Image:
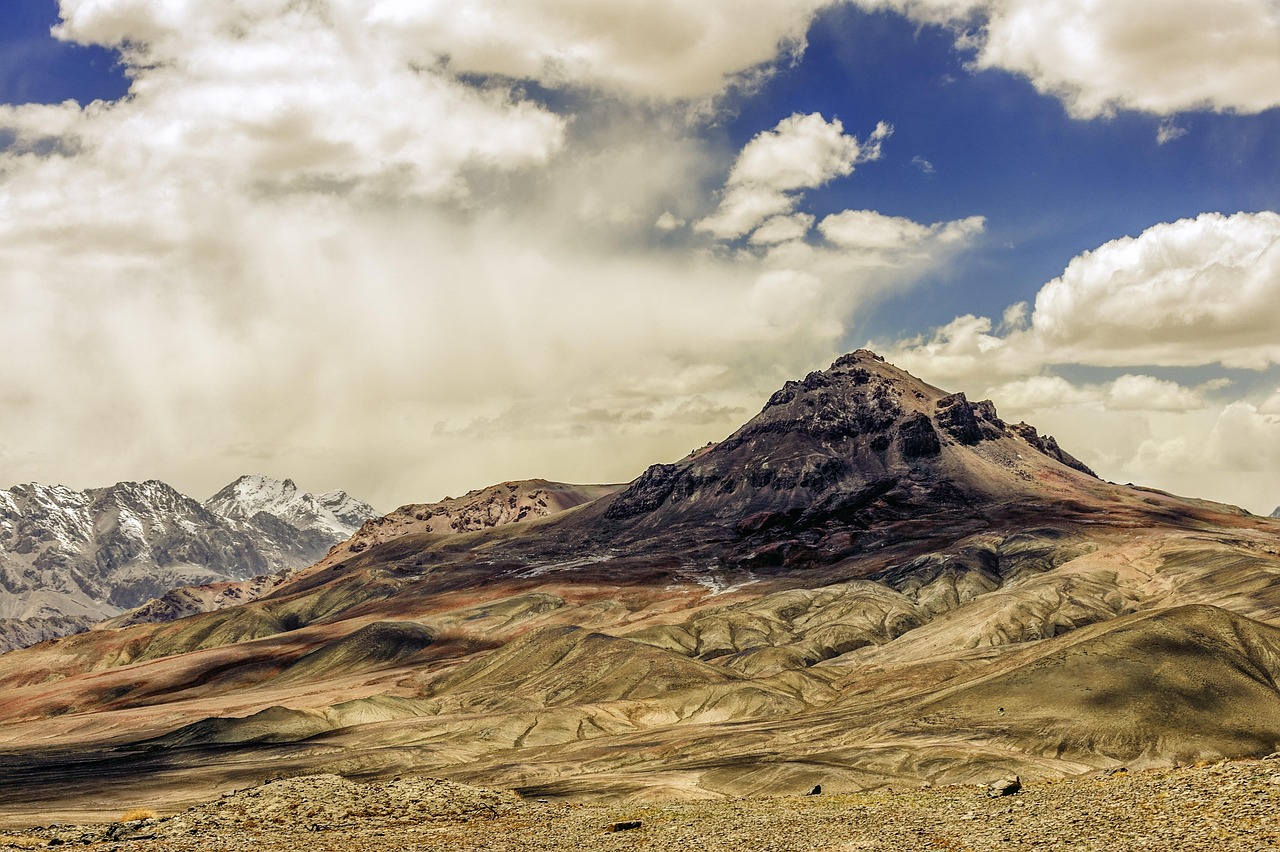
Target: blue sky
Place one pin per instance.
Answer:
(1050, 186)
(403, 250)
(37, 68)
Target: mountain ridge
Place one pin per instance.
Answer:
(479, 509)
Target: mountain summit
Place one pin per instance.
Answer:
(861, 432)
(335, 513)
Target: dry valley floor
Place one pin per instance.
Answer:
(1232, 805)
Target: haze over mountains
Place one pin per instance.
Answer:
(871, 582)
(71, 558)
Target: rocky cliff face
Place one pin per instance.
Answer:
(70, 558)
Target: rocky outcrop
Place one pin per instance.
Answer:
(1047, 445)
(956, 417)
(1006, 786)
(917, 437)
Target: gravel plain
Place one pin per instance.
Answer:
(1222, 807)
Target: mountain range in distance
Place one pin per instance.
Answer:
(71, 558)
(483, 508)
(872, 582)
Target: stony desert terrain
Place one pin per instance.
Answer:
(1231, 805)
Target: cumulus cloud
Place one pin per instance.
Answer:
(1128, 392)
(1036, 393)
(872, 231)
(274, 98)
(1271, 405)
(1155, 56)
(654, 49)
(1197, 293)
(1245, 439)
(1147, 393)
(801, 152)
(1231, 453)
(1194, 291)
(669, 222)
(1191, 292)
(659, 50)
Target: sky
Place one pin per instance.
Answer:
(412, 248)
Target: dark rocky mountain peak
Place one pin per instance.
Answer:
(860, 432)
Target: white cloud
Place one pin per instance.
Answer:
(871, 230)
(1192, 292)
(668, 222)
(868, 230)
(962, 351)
(1245, 440)
(1156, 56)
(277, 101)
(1168, 131)
(1147, 393)
(664, 49)
(1036, 393)
(1125, 393)
(1015, 317)
(1271, 405)
(801, 152)
(782, 229)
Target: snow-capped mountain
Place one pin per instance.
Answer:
(70, 558)
(333, 511)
